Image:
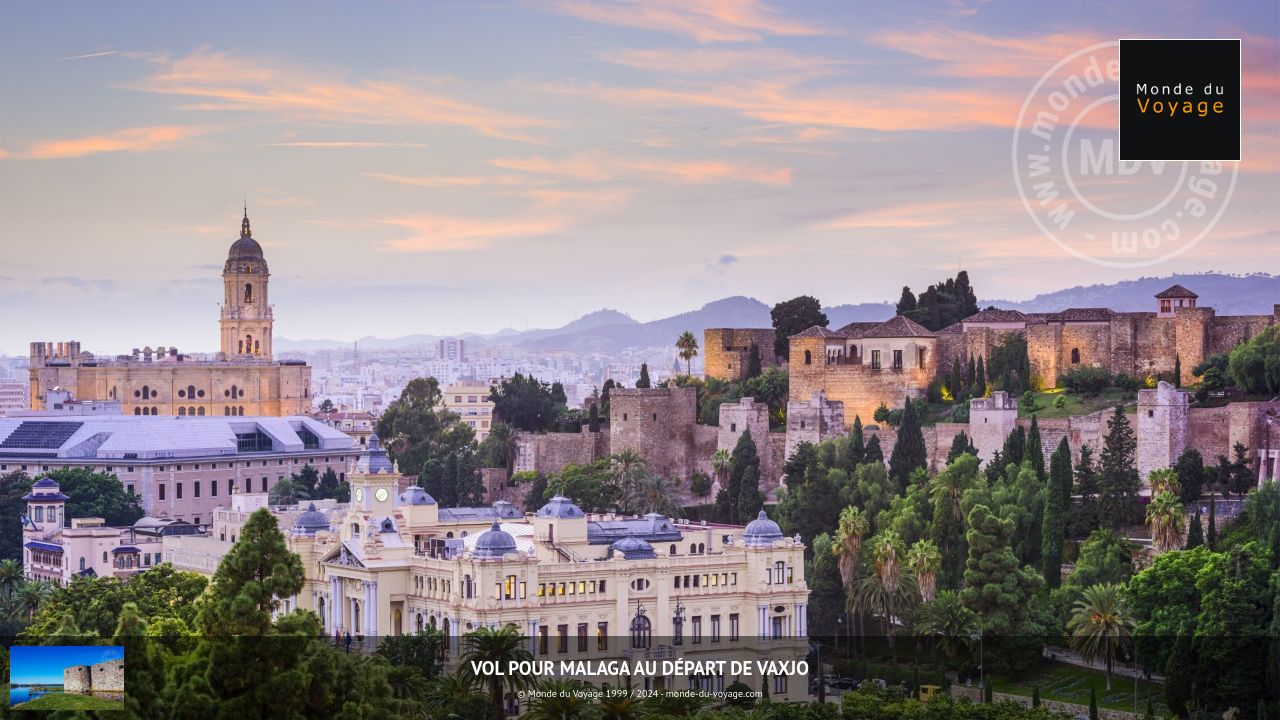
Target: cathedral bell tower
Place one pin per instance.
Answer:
(246, 310)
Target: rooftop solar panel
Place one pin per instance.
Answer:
(41, 435)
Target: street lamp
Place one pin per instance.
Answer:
(678, 624)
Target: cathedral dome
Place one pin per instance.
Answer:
(246, 249)
(761, 532)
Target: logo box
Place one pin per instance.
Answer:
(1180, 100)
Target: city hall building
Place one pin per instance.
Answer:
(578, 586)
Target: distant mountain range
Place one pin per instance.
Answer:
(611, 331)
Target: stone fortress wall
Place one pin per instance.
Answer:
(725, 351)
(103, 677)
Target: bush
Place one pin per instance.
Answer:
(700, 485)
(1088, 380)
(1060, 402)
(1128, 382)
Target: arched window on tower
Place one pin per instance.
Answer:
(248, 343)
(256, 348)
(182, 411)
(248, 292)
(808, 358)
(199, 411)
(1075, 356)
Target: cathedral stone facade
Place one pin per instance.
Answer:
(241, 379)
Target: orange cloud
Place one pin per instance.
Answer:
(703, 20)
(298, 94)
(926, 215)
(345, 144)
(597, 167)
(139, 139)
(958, 53)
(718, 61)
(439, 233)
(453, 181)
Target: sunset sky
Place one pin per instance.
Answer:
(452, 167)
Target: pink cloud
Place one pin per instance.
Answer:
(594, 166)
(440, 233)
(703, 20)
(140, 139)
(454, 181)
(301, 94)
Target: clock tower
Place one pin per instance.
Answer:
(246, 311)
(374, 482)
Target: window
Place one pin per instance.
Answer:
(264, 484)
(733, 627)
(779, 684)
(562, 639)
(582, 637)
(542, 639)
(178, 490)
(161, 490)
(1075, 356)
(129, 489)
(715, 628)
(697, 629)
(897, 359)
(602, 636)
(39, 513)
(641, 632)
(213, 488)
(808, 358)
(875, 359)
(733, 427)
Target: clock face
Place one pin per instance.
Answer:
(359, 494)
(381, 495)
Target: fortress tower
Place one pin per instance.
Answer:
(1162, 428)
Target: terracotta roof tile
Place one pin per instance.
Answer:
(899, 327)
(1176, 291)
(996, 315)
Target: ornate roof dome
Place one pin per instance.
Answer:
(633, 548)
(560, 507)
(761, 532)
(311, 521)
(494, 543)
(416, 496)
(374, 459)
(246, 248)
(46, 482)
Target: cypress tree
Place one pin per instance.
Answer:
(744, 457)
(752, 500)
(593, 418)
(1093, 704)
(960, 445)
(754, 365)
(1035, 695)
(874, 453)
(1055, 515)
(994, 469)
(956, 382)
(1118, 481)
(643, 382)
(1015, 447)
(1195, 533)
(857, 447)
(909, 451)
(971, 374)
(1177, 371)
(980, 378)
(1034, 450)
(1211, 536)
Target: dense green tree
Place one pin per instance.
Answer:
(744, 478)
(644, 381)
(13, 486)
(1241, 477)
(287, 492)
(593, 421)
(1234, 597)
(1190, 470)
(330, 486)
(1262, 511)
(1254, 365)
(326, 406)
(1055, 515)
(416, 427)
(909, 452)
(1211, 536)
(308, 479)
(979, 388)
(941, 304)
(856, 447)
(97, 494)
(811, 504)
(826, 590)
(526, 403)
(997, 588)
(95, 603)
(793, 316)
(1105, 557)
(1118, 481)
(906, 301)
(1015, 447)
(591, 487)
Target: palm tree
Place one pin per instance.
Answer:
(888, 591)
(652, 493)
(924, 559)
(948, 621)
(1100, 625)
(626, 465)
(503, 646)
(1167, 521)
(622, 707)
(450, 691)
(848, 542)
(886, 554)
(29, 597)
(10, 577)
(721, 463)
(504, 439)
(1164, 479)
(688, 346)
